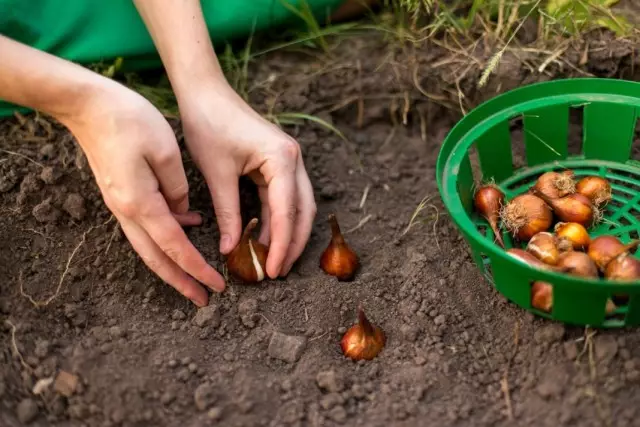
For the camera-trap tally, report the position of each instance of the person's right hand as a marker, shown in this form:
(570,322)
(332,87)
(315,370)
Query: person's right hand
(135,158)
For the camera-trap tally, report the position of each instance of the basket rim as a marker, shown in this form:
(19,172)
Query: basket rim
(508,104)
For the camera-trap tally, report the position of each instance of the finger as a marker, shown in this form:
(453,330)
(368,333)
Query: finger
(188,219)
(169,170)
(265,216)
(225,193)
(161,265)
(304,218)
(165,231)
(282,207)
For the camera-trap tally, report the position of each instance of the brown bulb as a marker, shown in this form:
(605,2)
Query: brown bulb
(573,208)
(488,201)
(528,258)
(578,264)
(596,188)
(547,247)
(363,341)
(338,259)
(247,261)
(542,296)
(574,233)
(623,268)
(526,215)
(555,184)
(604,249)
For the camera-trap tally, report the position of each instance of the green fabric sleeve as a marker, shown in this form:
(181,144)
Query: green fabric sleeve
(90,31)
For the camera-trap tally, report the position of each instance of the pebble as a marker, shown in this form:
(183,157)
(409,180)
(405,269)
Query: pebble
(178,315)
(173,363)
(192,367)
(207,316)
(342,330)
(27,410)
(284,347)
(606,347)
(204,396)
(329,381)
(167,397)
(549,333)
(66,383)
(175,325)
(215,413)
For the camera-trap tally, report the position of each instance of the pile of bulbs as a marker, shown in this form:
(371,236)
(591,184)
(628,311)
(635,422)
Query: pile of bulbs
(568,248)
(247,262)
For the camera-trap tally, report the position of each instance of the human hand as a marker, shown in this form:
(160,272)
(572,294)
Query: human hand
(227,139)
(136,160)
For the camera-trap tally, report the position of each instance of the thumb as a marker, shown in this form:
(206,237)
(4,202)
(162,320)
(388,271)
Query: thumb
(224,189)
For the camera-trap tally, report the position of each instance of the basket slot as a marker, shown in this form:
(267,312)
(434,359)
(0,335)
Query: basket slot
(509,282)
(571,306)
(494,152)
(465,183)
(546,132)
(608,131)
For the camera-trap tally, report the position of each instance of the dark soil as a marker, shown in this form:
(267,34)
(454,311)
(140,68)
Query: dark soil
(455,349)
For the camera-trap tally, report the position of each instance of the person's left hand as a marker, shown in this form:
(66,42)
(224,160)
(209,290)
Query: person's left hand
(228,139)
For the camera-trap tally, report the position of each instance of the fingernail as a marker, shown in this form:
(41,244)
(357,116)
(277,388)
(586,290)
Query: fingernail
(225,243)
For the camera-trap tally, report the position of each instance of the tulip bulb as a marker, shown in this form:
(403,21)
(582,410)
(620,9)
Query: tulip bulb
(596,188)
(547,247)
(488,201)
(338,259)
(247,261)
(574,208)
(624,268)
(555,184)
(574,233)
(542,296)
(604,249)
(578,264)
(530,259)
(526,215)
(363,341)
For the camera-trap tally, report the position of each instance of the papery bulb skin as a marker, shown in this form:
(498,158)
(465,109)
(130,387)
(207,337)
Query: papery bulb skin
(575,233)
(363,341)
(338,259)
(542,296)
(488,202)
(555,184)
(525,216)
(574,208)
(596,188)
(578,264)
(248,260)
(547,247)
(604,249)
(623,268)
(530,259)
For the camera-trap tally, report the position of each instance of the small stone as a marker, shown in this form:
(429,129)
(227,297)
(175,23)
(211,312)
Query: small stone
(215,413)
(74,206)
(439,320)
(175,325)
(173,363)
(178,315)
(167,397)
(606,347)
(284,347)
(27,411)
(204,396)
(338,414)
(342,330)
(45,211)
(329,381)
(66,383)
(42,349)
(192,367)
(207,316)
(549,333)
(50,175)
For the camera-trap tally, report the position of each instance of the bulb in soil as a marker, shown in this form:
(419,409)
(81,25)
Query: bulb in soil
(363,341)
(488,201)
(595,188)
(247,261)
(575,233)
(604,249)
(338,259)
(525,216)
(547,247)
(555,184)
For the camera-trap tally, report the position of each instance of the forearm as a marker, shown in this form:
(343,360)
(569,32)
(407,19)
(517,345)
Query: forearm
(38,80)
(180,34)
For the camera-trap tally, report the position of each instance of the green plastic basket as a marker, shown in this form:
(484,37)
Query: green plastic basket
(611,109)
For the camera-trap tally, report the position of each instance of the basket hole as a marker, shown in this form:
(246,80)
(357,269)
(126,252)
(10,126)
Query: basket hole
(576,130)
(516,128)
(635,145)
(616,310)
(541,297)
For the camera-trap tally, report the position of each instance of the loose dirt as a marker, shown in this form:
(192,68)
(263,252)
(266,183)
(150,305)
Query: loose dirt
(134,352)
